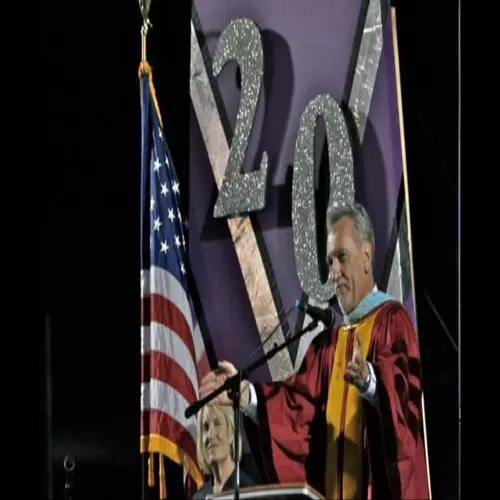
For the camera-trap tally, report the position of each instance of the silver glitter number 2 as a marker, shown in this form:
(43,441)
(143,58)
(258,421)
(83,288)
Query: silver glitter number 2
(341,188)
(240,191)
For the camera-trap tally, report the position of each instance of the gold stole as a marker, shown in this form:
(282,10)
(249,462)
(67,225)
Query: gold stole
(344,417)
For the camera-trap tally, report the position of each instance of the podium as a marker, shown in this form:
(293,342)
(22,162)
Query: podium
(294,491)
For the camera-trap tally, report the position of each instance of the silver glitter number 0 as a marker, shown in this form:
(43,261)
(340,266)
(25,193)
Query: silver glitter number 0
(341,188)
(242,191)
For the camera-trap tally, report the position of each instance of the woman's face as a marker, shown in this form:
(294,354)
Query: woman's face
(216,436)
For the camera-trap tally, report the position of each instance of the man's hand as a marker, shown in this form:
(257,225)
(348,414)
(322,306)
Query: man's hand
(357,369)
(214,379)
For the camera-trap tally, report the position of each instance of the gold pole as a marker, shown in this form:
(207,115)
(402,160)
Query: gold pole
(144,35)
(407,203)
(143,43)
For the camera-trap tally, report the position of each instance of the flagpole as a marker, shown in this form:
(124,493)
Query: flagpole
(146,24)
(144,5)
(147,458)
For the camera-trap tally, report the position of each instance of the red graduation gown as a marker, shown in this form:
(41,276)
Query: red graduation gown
(289,443)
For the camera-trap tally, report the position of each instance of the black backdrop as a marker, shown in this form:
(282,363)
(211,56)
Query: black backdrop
(90,145)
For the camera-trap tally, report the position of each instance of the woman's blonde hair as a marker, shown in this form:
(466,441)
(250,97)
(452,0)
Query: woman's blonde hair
(228,414)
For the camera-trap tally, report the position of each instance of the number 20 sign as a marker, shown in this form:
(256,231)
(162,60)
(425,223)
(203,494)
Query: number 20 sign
(243,192)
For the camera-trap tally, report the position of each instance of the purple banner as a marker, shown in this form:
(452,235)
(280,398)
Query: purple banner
(308,49)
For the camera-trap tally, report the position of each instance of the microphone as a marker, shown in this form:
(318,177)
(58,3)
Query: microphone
(326,316)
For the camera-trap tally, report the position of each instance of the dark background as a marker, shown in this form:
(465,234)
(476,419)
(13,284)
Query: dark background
(90,144)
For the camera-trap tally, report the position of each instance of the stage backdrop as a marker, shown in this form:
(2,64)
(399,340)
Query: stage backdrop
(294,107)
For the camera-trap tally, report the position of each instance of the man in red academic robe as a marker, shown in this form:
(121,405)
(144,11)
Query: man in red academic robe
(349,422)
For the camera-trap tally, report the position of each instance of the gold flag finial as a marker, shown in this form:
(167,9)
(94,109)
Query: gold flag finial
(145,5)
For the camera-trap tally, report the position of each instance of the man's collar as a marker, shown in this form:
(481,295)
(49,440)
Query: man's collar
(367,305)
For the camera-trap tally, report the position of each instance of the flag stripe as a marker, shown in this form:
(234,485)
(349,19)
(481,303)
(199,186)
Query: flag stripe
(166,313)
(166,341)
(166,369)
(160,396)
(168,286)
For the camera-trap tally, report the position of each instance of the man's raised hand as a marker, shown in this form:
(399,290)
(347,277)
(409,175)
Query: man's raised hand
(357,369)
(214,379)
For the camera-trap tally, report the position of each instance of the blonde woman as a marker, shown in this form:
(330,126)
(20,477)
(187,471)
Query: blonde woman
(215,450)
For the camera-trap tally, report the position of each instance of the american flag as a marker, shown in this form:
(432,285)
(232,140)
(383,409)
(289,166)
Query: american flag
(172,347)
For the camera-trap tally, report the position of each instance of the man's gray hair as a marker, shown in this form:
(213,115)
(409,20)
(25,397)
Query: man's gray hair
(363,228)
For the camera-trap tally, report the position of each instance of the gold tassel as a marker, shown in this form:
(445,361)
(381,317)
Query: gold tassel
(145,68)
(151,470)
(163,482)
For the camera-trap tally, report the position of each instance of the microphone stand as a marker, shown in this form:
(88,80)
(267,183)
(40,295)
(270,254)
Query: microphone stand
(232,386)
(235,395)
